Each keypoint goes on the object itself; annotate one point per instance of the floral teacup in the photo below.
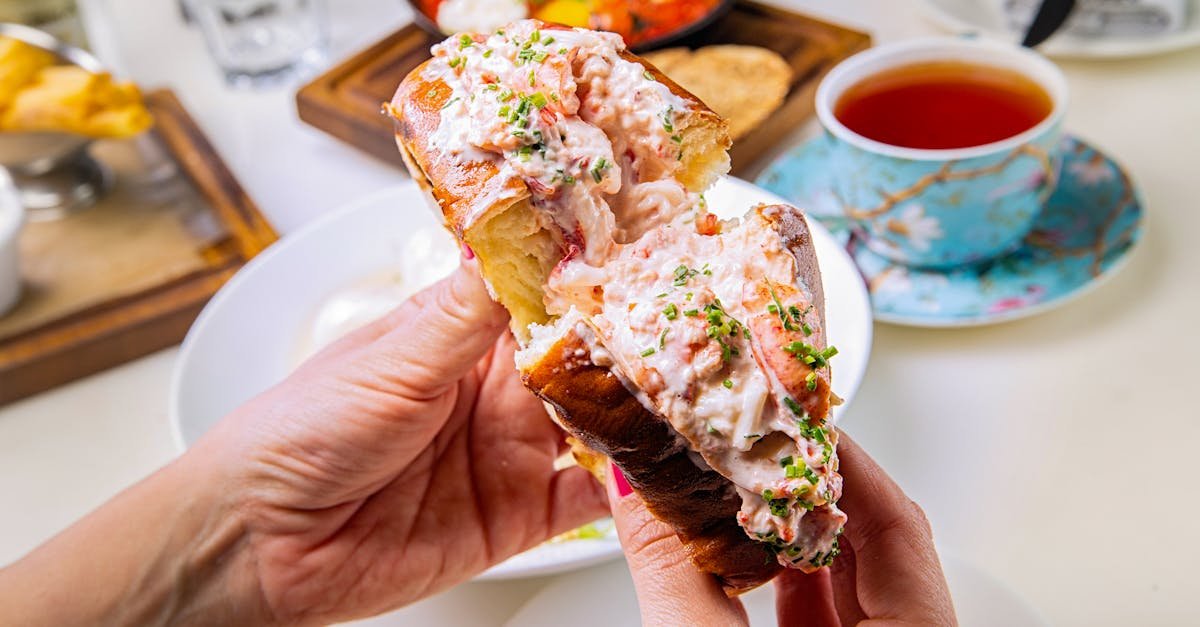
(943, 207)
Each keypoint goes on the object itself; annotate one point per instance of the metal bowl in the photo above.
(52, 170)
(26, 150)
(427, 23)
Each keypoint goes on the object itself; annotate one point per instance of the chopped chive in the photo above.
(811, 381)
(648, 352)
(547, 41)
(711, 430)
(807, 329)
(537, 99)
(487, 53)
(464, 41)
(531, 80)
(771, 308)
(456, 61)
(792, 471)
(662, 340)
(536, 36)
(451, 101)
(671, 311)
(794, 406)
(598, 168)
(728, 383)
(648, 75)
(691, 313)
(786, 461)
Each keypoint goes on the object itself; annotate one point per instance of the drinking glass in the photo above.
(261, 42)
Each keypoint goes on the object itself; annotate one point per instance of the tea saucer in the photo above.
(1084, 234)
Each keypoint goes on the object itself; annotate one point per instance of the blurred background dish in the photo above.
(743, 84)
(368, 256)
(644, 24)
(992, 18)
(54, 100)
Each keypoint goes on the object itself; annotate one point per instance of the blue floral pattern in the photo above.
(1086, 228)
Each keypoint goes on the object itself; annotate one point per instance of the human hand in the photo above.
(397, 462)
(888, 571)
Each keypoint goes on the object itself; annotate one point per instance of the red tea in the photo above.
(943, 104)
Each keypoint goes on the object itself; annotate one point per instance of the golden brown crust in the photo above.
(700, 505)
(464, 189)
(594, 405)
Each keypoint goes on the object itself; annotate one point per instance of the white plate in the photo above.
(604, 596)
(259, 326)
(984, 17)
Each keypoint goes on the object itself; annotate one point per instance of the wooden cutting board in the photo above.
(345, 101)
(129, 275)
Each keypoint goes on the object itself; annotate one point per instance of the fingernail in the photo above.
(619, 479)
(467, 253)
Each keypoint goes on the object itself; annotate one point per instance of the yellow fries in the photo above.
(36, 95)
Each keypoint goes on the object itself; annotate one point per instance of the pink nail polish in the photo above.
(623, 487)
(467, 253)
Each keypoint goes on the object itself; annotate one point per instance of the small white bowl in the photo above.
(12, 217)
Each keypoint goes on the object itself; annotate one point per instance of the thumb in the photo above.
(440, 333)
(670, 589)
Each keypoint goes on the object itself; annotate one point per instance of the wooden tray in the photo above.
(345, 101)
(128, 276)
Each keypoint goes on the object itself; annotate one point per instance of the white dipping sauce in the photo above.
(428, 255)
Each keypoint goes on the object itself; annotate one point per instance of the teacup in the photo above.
(943, 207)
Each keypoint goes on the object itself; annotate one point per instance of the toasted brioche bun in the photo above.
(490, 211)
(488, 207)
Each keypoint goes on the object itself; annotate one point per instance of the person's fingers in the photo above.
(438, 335)
(805, 600)
(576, 498)
(843, 582)
(897, 572)
(670, 590)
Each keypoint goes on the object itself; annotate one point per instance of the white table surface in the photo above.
(1055, 453)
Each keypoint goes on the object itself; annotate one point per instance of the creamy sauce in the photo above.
(673, 310)
(661, 300)
(544, 105)
(428, 254)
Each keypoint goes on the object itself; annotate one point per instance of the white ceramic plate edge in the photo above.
(229, 290)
